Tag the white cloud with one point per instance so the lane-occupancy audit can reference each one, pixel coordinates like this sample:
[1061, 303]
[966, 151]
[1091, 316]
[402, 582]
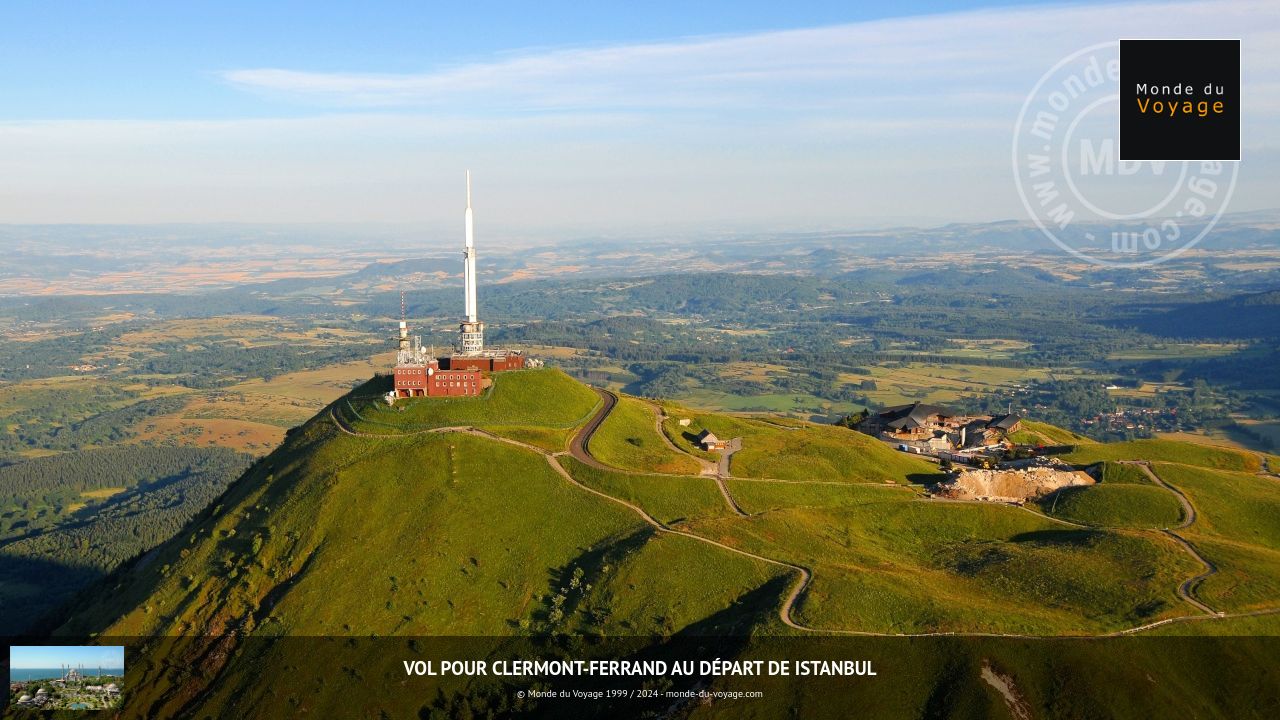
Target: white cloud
[962, 55]
[837, 126]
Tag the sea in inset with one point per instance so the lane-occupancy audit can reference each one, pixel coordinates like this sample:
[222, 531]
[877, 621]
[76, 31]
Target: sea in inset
[17, 674]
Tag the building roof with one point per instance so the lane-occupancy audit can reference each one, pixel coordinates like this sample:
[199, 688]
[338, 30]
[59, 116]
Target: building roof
[706, 436]
[1004, 422]
[907, 417]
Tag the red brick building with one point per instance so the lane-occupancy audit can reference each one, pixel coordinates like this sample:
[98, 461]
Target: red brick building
[428, 380]
[490, 361]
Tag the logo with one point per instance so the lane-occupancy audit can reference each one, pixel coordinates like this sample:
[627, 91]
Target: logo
[1082, 196]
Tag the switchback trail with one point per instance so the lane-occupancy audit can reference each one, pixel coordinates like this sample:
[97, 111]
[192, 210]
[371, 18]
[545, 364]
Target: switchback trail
[804, 575]
[1189, 585]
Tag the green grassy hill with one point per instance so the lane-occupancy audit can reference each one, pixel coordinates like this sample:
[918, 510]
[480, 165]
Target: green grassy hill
[1168, 451]
[1118, 505]
[539, 406]
[627, 440]
[367, 524]
[1238, 529]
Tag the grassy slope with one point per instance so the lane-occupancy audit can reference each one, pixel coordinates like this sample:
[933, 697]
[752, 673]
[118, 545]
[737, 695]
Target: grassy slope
[757, 496]
[628, 439]
[1260, 625]
[808, 452]
[379, 536]
[1166, 451]
[1114, 473]
[883, 560]
[1238, 529]
[1033, 433]
[1116, 505]
[668, 499]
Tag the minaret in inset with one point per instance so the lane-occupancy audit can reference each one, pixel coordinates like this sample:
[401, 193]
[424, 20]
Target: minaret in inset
[471, 332]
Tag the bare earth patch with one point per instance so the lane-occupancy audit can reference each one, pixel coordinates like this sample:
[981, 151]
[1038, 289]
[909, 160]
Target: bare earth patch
[1012, 486]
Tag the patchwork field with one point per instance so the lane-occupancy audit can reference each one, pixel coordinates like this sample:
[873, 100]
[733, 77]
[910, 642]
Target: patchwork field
[899, 383]
[243, 435]
[801, 403]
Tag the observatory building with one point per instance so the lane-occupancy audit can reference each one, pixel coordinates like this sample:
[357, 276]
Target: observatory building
[419, 373]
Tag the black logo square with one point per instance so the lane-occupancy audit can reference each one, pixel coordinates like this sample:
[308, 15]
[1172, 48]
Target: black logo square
[1179, 99]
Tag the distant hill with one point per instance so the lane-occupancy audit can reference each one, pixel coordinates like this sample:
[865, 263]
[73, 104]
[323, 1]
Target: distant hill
[1254, 315]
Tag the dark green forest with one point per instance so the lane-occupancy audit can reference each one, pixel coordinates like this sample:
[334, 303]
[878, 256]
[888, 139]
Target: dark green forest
[54, 540]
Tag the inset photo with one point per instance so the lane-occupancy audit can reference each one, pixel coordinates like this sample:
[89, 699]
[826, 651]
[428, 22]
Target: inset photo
[66, 677]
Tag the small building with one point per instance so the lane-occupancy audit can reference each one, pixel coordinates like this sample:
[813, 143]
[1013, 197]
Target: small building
[707, 440]
[915, 421]
[1005, 423]
[940, 442]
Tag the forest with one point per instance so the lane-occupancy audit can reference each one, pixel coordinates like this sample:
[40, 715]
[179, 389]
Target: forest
[68, 519]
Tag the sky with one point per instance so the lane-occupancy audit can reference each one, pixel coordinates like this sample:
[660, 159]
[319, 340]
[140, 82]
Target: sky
[574, 118]
[53, 656]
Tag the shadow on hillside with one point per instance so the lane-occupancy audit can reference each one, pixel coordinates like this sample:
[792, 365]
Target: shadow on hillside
[569, 582]
[1074, 538]
[926, 478]
[35, 591]
[746, 613]
[690, 438]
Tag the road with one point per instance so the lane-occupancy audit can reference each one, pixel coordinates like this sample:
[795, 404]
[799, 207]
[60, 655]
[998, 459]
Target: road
[803, 575]
[731, 447]
[581, 439]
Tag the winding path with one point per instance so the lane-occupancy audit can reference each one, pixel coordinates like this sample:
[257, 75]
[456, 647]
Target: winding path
[579, 449]
[1188, 586]
[722, 472]
[578, 445]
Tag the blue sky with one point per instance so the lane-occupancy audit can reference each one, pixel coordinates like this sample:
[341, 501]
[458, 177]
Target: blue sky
[147, 60]
[43, 657]
[575, 118]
